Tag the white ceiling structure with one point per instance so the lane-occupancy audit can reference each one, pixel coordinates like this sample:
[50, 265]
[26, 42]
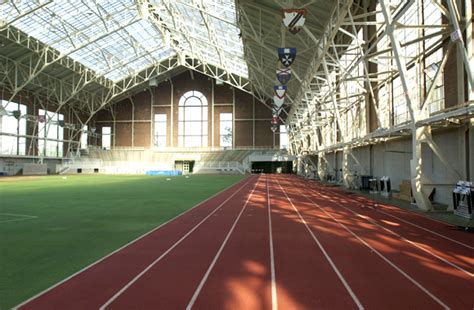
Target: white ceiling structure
[103, 50]
[91, 53]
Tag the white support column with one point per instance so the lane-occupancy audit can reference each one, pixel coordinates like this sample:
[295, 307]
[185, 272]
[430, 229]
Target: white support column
[417, 160]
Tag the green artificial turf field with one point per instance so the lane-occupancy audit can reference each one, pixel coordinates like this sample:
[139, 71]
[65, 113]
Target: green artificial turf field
[51, 227]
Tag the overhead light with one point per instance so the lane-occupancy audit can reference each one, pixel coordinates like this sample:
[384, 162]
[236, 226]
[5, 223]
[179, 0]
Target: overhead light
[219, 82]
[153, 82]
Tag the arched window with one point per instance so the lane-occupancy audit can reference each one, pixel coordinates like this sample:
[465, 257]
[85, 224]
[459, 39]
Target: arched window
[192, 120]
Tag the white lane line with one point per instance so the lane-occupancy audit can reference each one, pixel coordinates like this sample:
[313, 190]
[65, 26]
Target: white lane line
[123, 247]
[18, 219]
[381, 256]
[137, 277]
[218, 254]
[19, 215]
[428, 230]
[272, 256]
[420, 227]
[369, 219]
[328, 258]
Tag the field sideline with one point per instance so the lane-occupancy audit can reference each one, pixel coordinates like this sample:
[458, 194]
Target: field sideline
[51, 227]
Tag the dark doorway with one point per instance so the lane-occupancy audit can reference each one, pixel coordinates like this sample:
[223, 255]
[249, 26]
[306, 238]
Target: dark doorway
[185, 166]
[272, 167]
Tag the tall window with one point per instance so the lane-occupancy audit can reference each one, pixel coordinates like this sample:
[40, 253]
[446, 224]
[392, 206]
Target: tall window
[50, 134]
[106, 137]
[192, 120]
[284, 143]
[11, 128]
[225, 129]
[160, 130]
[84, 141]
[432, 16]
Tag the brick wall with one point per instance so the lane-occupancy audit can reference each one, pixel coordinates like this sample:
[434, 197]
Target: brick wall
[251, 118]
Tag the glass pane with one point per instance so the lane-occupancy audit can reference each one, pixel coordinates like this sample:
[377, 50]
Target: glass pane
[193, 128]
[226, 117]
[193, 114]
[160, 117]
[192, 141]
[193, 101]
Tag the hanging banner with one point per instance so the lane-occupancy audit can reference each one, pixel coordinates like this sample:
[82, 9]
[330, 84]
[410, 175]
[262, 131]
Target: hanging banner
[287, 55]
[274, 128]
[275, 111]
[278, 102]
[283, 75]
[41, 118]
[61, 123]
[280, 91]
[275, 120]
[294, 19]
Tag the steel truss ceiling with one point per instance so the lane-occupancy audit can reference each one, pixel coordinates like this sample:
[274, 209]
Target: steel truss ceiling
[90, 53]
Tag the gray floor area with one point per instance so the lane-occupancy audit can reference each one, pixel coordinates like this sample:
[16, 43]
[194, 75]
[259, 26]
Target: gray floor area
[438, 214]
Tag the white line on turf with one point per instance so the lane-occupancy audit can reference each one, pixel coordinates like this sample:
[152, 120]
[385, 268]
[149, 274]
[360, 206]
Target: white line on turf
[272, 256]
[328, 258]
[424, 289]
[124, 246]
[20, 217]
[216, 257]
[369, 219]
[137, 277]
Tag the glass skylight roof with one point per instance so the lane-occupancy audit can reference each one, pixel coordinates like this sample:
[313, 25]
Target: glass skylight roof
[114, 40]
[221, 44]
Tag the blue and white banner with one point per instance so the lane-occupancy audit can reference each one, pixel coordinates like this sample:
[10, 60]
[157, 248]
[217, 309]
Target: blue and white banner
[287, 55]
[280, 91]
[283, 75]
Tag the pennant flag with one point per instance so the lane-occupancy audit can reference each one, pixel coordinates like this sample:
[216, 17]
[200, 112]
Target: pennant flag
[275, 111]
[280, 91]
[278, 102]
[274, 128]
[61, 123]
[287, 55]
[275, 120]
[283, 75]
[41, 118]
[294, 19]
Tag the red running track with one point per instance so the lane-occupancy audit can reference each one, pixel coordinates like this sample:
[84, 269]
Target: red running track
[279, 241]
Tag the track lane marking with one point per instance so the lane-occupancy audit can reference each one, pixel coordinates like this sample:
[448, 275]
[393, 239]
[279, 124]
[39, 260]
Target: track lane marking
[418, 226]
[370, 220]
[126, 245]
[272, 256]
[218, 253]
[326, 255]
[137, 277]
[425, 290]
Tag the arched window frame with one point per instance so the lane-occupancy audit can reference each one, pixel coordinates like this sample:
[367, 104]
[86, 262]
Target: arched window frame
[193, 120]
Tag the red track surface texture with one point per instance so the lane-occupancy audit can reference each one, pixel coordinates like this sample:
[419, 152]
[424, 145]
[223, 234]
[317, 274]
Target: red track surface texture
[279, 241]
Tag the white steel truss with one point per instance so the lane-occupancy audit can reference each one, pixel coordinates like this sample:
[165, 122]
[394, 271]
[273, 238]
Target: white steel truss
[370, 59]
